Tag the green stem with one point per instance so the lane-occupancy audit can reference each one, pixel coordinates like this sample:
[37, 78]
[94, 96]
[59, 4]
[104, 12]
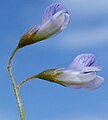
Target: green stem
[27, 79]
[16, 92]
[13, 54]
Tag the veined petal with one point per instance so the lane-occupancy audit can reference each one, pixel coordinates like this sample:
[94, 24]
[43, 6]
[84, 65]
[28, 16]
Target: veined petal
[94, 84]
[90, 69]
[51, 10]
[51, 27]
[83, 60]
[87, 77]
[66, 21]
[75, 78]
[69, 78]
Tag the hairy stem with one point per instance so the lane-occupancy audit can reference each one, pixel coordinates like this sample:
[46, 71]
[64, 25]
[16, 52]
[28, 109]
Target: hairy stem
[27, 79]
[16, 92]
[13, 54]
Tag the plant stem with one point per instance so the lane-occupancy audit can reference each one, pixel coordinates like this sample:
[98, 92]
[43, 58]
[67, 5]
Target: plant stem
[16, 92]
[27, 79]
[13, 54]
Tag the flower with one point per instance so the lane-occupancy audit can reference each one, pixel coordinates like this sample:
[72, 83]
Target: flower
[54, 20]
[80, 74]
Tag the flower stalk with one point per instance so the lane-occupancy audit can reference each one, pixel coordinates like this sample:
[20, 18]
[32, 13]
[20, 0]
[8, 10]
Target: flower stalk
[16, 91]
[25, 80]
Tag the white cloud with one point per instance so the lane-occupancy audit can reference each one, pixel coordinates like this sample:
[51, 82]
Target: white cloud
[79, 117]
[94, 13]
[6, 115]
[84, 38]
[87, 6]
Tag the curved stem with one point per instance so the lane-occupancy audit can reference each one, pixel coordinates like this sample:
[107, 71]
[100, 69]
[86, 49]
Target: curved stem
[27, 79]
[13, 54]
[16, 92]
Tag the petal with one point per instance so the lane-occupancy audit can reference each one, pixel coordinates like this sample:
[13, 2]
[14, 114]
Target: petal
[51, 27]
[75, 78]
[87, 77]
[94, 84]
[51, 10]
[66, 22]
[75, 86]
[90, 69]
[83, 60]
[69, 78]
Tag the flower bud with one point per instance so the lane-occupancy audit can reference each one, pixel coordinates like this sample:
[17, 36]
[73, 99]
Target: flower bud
[54, 20]
[80, 74]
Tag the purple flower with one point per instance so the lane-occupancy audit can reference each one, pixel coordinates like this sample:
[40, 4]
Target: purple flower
[54, 20]
[80, 74]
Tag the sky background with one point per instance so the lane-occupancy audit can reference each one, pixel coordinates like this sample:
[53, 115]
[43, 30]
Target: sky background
[86, 33]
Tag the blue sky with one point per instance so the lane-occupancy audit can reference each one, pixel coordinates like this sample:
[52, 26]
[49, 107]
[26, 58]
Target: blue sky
[86, 33]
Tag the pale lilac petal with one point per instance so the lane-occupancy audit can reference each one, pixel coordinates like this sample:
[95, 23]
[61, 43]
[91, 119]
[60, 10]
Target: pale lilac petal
[51, 10]
[69, 78]
[83, 60]
[66, 22]
[75, 78]
[94, 84]
[75, 86]
[90, 69]
[64, 25]
[54, 20]
[87, 77]
[52, 26]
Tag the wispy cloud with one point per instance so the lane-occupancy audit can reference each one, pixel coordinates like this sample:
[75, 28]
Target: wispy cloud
[80, 117]
[84, 38]
[87, 6]
[6, 115]
[88, 26]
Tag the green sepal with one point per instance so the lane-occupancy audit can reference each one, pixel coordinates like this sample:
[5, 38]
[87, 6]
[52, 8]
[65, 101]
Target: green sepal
[51, 75]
